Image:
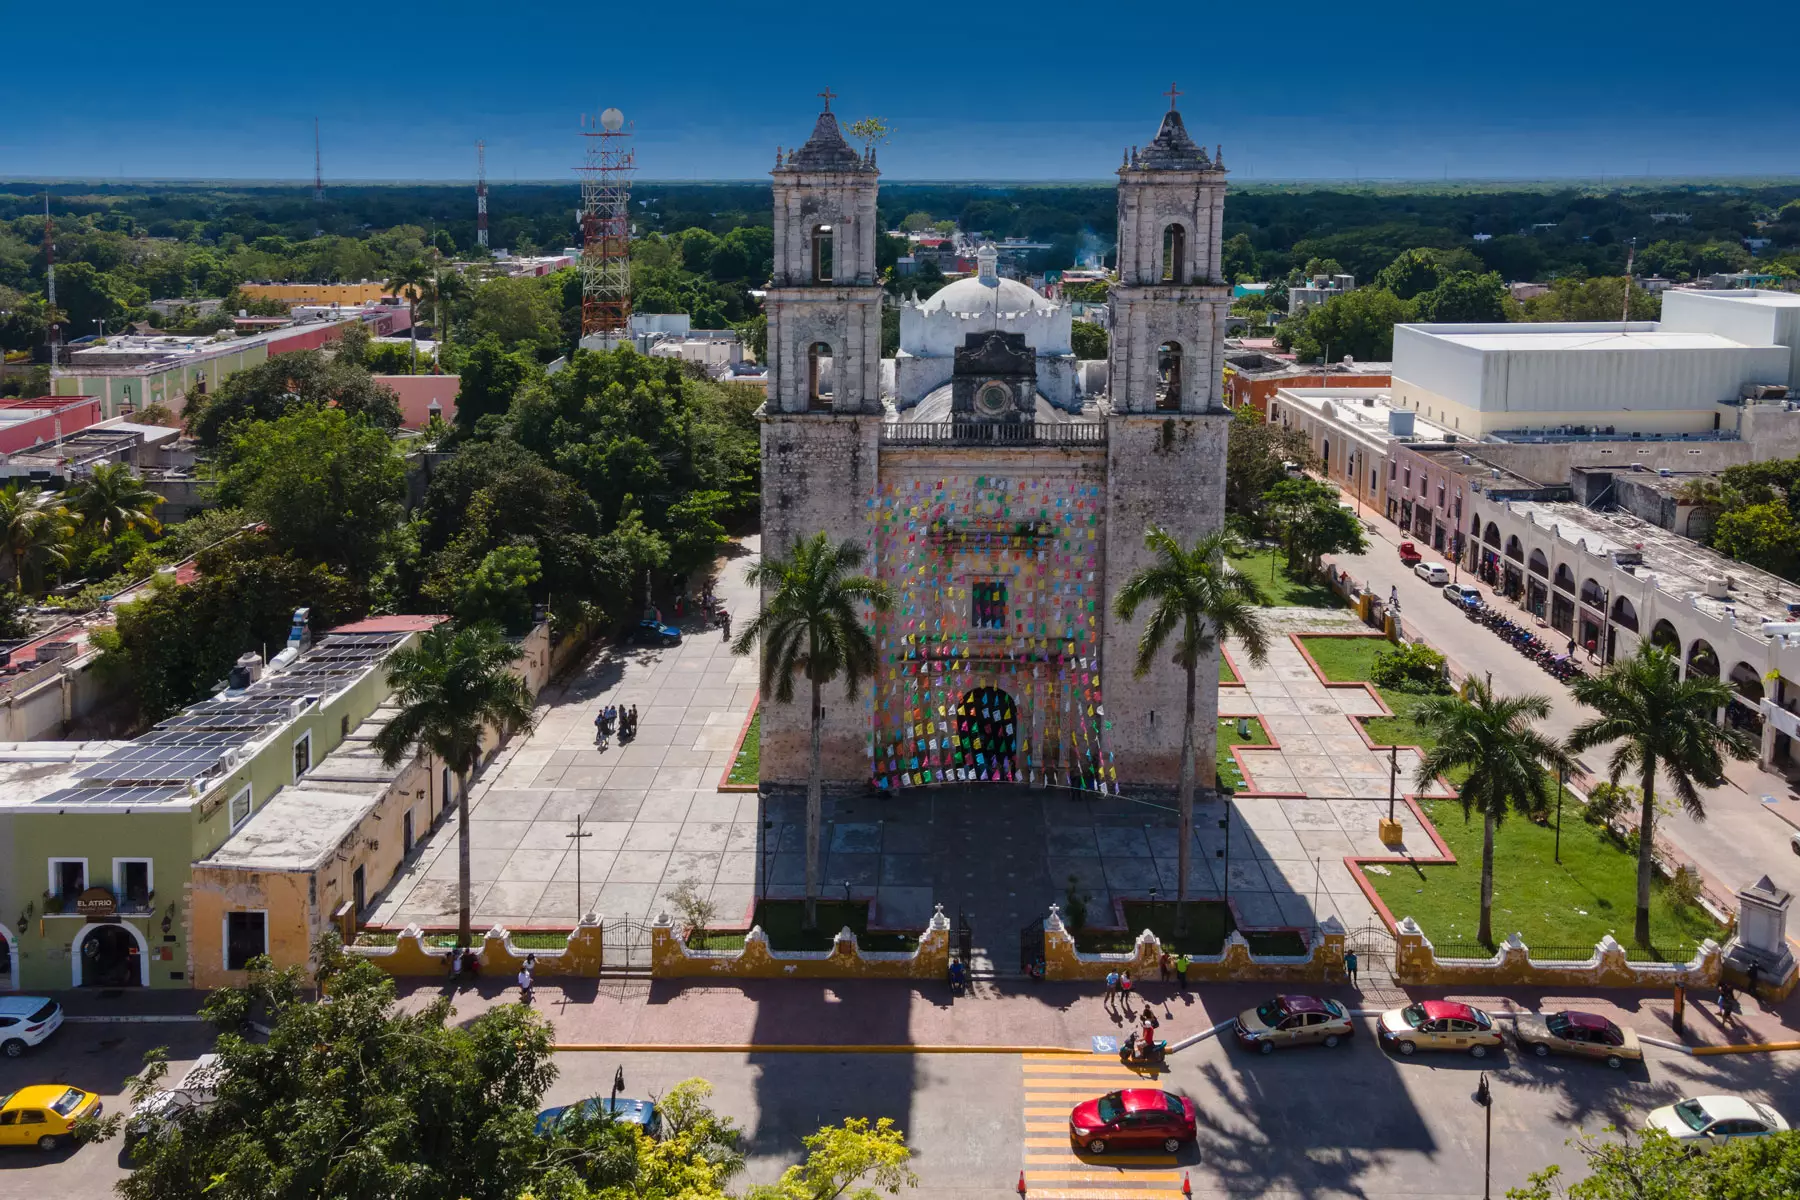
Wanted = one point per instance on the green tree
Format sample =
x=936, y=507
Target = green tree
x=1198, y=600
x=1239, y=256
x=1464, y=298
x=22, y=511
x=1359, y=324
x=915, y=222
x=1311, y=523
x=1763, y=535
x=329, y=1103
x=327, y=484
x=1254, y=462
x=1491, y=739
x=1579, y=299
x=304, y=379
x=1659, y=721
x=451, y=687
x=489, y=380
x=408, y=281
x=112, y=500
x=1088, y=340
x=839, y=1158
x=811, y=625
x=520, y=312
x=1653, y=1166
x=499, y=589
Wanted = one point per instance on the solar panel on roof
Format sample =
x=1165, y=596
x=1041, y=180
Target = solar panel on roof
x=120, y=796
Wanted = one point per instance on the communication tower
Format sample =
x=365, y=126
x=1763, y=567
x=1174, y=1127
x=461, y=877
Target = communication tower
x=318, y=167
x=50, y=279
x=481, y=194
x=606, y=223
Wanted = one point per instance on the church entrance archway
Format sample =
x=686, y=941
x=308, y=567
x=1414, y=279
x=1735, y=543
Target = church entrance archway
x=987, y=739
x=110, y=956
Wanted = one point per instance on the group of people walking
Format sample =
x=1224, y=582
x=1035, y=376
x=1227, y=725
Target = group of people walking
x=612, y=717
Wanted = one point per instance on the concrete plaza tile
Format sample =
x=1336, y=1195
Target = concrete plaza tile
x=1202, y=879
x=549, y=777
x=557, y=904
x=567, y=805
x=432, y=898
x=713, y=806
x=504, y=804
x=1122, y=842
x=723, y=736
x=1298, y=910
x=703, y=836
x=898, y=837
x=624, y=778
x=785, y=869
x=1130, y=875
x=515, y=899
x=743, y=836
x=618, y=806
x=903, y=907
x=638, y=866
x=547, y=835
x=685, y=865
x=1246, y=875
x=906, y=870
x=639, y=754
x=1086, y=872
x=1341, y=882
x=1297, y=875
x=1310, y=814
x=484, y=864
x=620, y=900
x=652, y=835
x=703, y=759
x=562, y=758
x=497, y=835
x=666, y=805
x=661, y=714
x=653, y=735
x=855, y=837
x=737, y=866
x=859, y=870
x=1277, y=844
x=595, y=865
x=531, y=866
x=1258, y=910
x=1333, y=842
x=678, y=777
x=735, y=903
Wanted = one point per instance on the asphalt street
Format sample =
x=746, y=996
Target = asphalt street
x=1350, y=1121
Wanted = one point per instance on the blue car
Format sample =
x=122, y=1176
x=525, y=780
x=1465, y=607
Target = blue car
x=641, y=1113
x=655, y=633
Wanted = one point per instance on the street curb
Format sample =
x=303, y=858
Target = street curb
x=801, y=1048
x=137, y=1019
x=1197, y=1038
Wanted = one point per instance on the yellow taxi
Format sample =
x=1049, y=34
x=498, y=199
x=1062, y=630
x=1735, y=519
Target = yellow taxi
x=1437, y=1025
x=1586, y=1035
x=44, y=1115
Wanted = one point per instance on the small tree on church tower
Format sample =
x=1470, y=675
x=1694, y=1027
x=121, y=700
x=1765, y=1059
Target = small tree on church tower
x=810, y=626
x=1197, y=600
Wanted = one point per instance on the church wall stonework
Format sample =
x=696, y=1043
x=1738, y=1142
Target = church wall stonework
x=819, y=472
x=1168, y=471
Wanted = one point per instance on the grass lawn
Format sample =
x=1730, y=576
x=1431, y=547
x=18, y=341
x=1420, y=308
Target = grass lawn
x=1226, y=674
x=747, y=767
x=1228, y=773
x=1207, y=923
x=1564, y=907
x=1282, y=589
x=781, y=920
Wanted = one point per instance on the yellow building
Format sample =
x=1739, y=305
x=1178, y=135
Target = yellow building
x=316, y=293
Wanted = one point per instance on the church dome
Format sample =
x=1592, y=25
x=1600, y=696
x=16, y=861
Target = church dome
x=985, y=296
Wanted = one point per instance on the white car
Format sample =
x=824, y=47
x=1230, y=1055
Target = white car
x=1430, y=572
x=25, y=1021
x=1715, y=1118
x=162, y=1108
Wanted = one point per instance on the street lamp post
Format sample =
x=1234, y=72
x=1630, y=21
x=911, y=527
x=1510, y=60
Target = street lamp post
x=1562, y=779
x=1393, y=778
x=577, y=837
x=1225, y=853
x=1484, y=1096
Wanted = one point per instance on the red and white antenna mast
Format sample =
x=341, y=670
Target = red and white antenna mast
x=481, y=194
x=606, y=224
x=318, y=167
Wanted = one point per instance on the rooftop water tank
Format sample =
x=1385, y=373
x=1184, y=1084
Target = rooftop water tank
x=1400, y=422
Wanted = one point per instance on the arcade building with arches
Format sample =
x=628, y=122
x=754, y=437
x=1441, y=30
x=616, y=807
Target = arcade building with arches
x=1002, y=500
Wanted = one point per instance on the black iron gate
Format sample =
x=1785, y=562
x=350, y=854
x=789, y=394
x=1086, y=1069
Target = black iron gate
x=965, y=937
x=625, y=947
x=1031, y=945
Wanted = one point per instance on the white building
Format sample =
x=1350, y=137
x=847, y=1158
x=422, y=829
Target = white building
x=933, y=329
x=1318, y=290
x=1636, y=378
x=1757, y=318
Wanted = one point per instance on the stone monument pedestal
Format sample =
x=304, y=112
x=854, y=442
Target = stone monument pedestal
x=1391, y=833
x=1761, y=942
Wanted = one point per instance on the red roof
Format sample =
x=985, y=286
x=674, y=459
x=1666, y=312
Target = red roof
x=1441, y=1010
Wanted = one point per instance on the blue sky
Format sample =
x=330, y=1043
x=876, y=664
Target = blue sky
x=1047, y=90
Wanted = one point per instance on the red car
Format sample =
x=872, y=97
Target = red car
x=1134, y=1117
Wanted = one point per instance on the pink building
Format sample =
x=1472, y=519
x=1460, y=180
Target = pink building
x=418, y=394
x=26, y=423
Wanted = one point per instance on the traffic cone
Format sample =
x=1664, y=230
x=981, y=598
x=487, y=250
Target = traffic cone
x=1187, y=1189
x=1021, y=1183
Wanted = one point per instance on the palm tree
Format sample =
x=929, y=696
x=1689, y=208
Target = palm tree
x=21, y=510
x=1658, y=720
x=52, y=535
x=810, y=625
x=443, y=291
x=113, y=500
x=451, y=687
x=409, y=281
x=1508, y=763
x=1199, y=600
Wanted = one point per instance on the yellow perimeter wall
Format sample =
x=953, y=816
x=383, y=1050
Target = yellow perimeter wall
x=316, y=293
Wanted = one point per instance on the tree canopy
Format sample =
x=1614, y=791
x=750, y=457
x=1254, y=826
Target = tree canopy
x=304, y=379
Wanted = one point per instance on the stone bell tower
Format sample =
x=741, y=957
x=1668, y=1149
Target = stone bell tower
x=822, y=423
x=1166, y=425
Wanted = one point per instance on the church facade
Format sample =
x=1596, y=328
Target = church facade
x=1003, y=511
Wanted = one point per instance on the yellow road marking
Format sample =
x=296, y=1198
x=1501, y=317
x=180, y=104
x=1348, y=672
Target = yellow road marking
x=1081, y=1068
x=1107, y=1160
x=1046, y=1126
x=1060, y=1111
x=1101, y=1194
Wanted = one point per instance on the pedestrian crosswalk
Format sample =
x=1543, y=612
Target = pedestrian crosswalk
x=1053, y=1168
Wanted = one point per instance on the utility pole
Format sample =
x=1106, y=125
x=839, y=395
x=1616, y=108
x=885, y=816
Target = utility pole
x=50, y=284
x=1484, y=1096
x=318, y=167
x=1625, y=304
